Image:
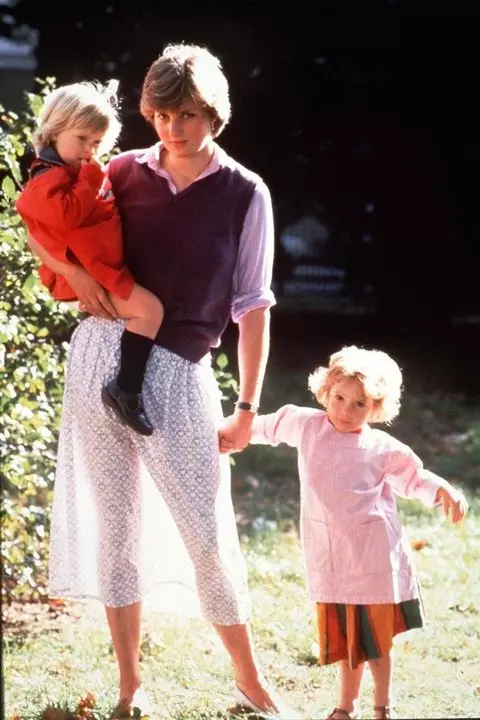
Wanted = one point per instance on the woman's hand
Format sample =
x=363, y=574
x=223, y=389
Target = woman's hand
x=236, y=431
x=92, y=297
x=454, y=503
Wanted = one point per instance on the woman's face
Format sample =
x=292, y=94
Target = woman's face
x=185, y=131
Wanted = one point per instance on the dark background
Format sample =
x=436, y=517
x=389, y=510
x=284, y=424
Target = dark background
x=338, y=105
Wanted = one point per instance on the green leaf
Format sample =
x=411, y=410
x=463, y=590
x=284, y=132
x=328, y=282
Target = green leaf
x=29, y=283
x=222, y=361
x=8, y=187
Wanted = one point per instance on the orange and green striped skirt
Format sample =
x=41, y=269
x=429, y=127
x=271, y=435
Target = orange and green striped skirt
x=358, y=633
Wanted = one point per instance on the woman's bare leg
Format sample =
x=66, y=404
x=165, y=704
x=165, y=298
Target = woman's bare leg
x=238, y=643
x=124, y=623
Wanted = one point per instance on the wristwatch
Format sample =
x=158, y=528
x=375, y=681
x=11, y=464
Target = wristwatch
x=250, y=407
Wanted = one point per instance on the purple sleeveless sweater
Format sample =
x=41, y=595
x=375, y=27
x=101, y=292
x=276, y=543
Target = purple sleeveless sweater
x=183, y=247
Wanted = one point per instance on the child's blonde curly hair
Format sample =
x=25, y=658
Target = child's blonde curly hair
x=378, y=373
x=83, y=105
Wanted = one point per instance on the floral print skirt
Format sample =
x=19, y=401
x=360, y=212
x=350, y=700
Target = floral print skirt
x=134, y=514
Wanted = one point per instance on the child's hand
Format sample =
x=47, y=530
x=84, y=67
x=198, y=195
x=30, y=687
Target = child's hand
x=93, y=161
x=453, y=502
x=235, y=432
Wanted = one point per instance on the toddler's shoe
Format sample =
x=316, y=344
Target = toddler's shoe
x=339, y=714
x=385, y=712
x=128, y=407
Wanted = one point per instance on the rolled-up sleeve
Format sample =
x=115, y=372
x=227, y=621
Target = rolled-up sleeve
x=253, y=272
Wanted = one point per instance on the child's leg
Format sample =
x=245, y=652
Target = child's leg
x=143, y=310
x=144, y=313
x=350, y=681
x=381, y=669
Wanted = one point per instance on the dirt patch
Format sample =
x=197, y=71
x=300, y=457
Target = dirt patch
x=22, y=619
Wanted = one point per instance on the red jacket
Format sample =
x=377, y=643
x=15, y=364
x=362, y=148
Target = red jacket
x=62, y=210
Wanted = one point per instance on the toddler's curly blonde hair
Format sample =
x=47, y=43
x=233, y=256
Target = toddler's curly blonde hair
x=379, y=375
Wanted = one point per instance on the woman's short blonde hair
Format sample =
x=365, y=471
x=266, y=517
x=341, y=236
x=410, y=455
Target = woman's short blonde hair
x=83, y=105
x=377, y=372
x=187, y=73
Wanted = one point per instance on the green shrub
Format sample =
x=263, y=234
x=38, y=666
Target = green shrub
x=32, y=328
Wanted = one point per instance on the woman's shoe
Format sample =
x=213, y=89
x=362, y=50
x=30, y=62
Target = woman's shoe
x=141, y=708
x=282, y=713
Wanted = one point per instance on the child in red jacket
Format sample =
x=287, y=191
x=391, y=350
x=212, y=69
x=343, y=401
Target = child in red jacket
x=67, y=208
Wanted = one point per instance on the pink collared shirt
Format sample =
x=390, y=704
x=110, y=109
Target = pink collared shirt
x=355, y=548
x=253, y=272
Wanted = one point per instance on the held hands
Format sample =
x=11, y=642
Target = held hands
x=454, y=503
x=235, y=432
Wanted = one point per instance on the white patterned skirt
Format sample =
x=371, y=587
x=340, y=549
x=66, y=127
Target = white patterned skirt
x=134, y=514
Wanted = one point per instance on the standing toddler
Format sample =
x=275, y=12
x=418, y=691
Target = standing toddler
x=359, y=563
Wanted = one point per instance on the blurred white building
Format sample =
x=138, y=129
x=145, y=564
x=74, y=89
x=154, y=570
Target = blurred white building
x=17, y=60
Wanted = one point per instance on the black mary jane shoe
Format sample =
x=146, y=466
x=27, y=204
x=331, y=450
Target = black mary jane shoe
x=128, y=407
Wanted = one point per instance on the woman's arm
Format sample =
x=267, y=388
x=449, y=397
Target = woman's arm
x=253, y=347
x=252, y=298
x=93, y=297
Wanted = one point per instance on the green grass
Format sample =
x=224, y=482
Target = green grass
x=53, y=660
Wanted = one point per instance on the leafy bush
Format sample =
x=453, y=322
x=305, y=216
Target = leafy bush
x=34, y=333
x=33, y=330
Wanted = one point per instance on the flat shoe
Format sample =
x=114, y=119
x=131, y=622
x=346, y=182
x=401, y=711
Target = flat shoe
x=283, y=712
x=141, y=708
x=342, y=715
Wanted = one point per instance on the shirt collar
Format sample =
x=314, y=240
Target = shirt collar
x=50, y=155
x=151, y=158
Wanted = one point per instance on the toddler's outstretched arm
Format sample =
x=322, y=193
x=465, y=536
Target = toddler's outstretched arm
x=283, y=426
x=409, y=479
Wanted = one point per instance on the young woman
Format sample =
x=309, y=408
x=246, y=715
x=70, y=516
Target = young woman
x=198, y=232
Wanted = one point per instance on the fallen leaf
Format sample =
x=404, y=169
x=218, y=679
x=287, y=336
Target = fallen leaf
x=419, y=544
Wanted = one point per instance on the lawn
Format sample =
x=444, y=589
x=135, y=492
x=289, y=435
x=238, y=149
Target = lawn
x=55, y=658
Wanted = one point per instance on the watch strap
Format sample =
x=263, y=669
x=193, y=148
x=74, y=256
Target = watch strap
x=250, y=407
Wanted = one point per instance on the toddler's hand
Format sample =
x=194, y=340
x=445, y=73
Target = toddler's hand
x=93, y=161
x=454, y=503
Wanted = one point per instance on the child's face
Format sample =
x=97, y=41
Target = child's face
x=77, y=145
x=348, y=407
